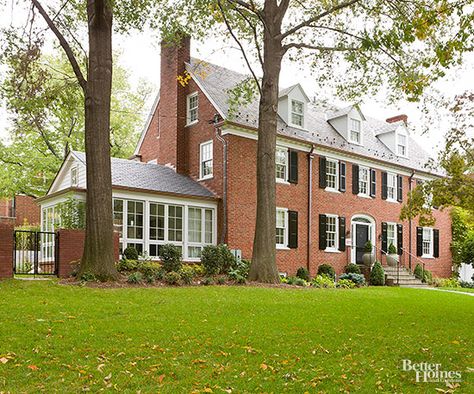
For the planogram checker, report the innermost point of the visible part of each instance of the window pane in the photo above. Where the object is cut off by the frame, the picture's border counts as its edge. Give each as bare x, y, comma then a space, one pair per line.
206, 159
194, 252
364, 180
175, 223
280, 227
208, 226
157, 222
135, 219
297, 112
194, 225
331, 232
281, 158
331, 174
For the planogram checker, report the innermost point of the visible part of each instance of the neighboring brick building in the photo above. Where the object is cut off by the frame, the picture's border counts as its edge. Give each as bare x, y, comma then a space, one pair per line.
342, 178
20, 210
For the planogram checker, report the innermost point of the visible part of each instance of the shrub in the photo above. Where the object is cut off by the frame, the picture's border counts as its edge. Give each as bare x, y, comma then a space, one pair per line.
228, 260
221, 280
345, 284
392, 249
170, 256
326, 269
427, 276
197, 268
377, 275
302, 273
150, 269
323, 281
125, 265
466, 285
187, 274
357, 279
418, 271
217, 259
368, 247
88, 277
135, 277
446, 282
240, 271
172, 278
130, 253
207, 281
352, 269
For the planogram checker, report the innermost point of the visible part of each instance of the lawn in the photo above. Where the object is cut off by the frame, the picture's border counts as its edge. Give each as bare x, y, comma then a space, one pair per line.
461, 289
228, 339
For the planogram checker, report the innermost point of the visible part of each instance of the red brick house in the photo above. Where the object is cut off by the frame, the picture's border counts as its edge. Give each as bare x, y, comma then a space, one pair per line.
19, 210
342, 177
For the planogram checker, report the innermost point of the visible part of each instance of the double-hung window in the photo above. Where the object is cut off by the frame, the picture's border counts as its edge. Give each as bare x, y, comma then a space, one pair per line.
199, 230
332, 238
364, 181
281, 228
297, 113
74, 177
391, 187
402, 145
332, 174
206, 160
355, 130
427, 244
192, 106
281, 164
391, 234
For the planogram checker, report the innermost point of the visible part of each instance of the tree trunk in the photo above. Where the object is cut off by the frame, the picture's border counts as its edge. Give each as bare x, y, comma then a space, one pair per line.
263, 267
98, 256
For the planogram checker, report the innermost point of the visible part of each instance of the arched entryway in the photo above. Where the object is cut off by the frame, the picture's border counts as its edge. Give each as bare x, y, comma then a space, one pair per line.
362, 230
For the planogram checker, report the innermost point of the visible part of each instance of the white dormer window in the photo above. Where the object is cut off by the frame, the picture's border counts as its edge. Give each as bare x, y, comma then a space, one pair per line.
192, 105
355, 130
74, 177
402, 145
297, 113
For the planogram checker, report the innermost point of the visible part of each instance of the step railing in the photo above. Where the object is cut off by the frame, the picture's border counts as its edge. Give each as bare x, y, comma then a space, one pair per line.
417, 259
383, 252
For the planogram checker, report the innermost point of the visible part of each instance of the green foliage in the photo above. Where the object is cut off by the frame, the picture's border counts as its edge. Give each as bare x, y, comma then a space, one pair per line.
240, 272
207, 281
125, 265
187, 274
368, 247
296, 281
352, 269
377, 275
345, 284
328, 270
171, 258
88, 277
150, 269
135, 278
220, 280
466, 285
197, 268
323, 281
130, 253
446, 282
172, 278
392, 249
427, 276
418, 271
217, 259
358, 279
303, 273
72, 213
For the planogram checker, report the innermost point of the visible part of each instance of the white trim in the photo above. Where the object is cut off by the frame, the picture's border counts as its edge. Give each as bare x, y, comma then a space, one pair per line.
287, 158
190, 122
367, 194
372, 232
431, 254
284, 245
201, 145
336, 187
397, 136
395, 237
147, 124
395, 192
335, 248
349, 131
291, 112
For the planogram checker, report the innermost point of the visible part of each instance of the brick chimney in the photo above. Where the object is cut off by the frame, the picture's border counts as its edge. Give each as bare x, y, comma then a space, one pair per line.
394, 119
172, 107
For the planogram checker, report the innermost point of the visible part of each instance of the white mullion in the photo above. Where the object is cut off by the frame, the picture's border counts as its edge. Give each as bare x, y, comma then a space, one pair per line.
185, 231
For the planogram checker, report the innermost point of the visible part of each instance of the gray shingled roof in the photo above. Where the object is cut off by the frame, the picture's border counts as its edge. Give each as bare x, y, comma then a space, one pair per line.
153, 177
217, 81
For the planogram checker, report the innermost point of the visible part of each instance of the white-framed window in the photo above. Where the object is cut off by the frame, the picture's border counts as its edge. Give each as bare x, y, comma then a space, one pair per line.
281, 228
281, 164
206, 160
332, 174
332, 233
402, 144
391, 235
157, 222
355, 127
199, 230
175, 223
427, 245
391, 187
118, 216
74, 177
135, 219
297, 113
364, 181
192, 106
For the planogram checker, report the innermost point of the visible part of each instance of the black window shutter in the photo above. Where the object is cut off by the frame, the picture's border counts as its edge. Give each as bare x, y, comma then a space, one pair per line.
342, 176
384, 237
400, 188
355, 179
322, 172
293, 167
435, 243
342, 233
292, 229
322, 232
384, 185
399, 239
419, 241
373, 182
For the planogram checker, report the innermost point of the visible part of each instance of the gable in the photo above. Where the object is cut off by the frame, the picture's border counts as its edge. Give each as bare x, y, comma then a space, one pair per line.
63, 177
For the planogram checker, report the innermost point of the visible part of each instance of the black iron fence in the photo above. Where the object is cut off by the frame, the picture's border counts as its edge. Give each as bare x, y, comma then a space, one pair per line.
35, 253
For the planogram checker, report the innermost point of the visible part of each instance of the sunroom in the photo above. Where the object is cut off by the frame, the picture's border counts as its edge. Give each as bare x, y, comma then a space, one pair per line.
152, 206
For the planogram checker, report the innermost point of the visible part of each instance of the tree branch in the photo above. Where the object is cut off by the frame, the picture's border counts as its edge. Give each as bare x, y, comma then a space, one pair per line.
64, 44
318, 17
319, 47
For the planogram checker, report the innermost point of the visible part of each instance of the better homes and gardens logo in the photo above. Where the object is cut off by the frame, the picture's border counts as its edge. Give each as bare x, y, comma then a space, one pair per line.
431, 372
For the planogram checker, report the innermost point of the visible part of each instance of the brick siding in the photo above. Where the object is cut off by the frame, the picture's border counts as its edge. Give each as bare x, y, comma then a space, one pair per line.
6, 250
26, 211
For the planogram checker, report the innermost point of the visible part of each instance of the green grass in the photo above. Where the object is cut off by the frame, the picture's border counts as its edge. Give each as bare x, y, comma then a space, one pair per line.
178, 340
462, 289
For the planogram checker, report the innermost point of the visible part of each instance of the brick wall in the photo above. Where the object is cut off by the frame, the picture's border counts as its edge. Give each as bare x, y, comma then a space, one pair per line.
71, 245
6, 250
26, 211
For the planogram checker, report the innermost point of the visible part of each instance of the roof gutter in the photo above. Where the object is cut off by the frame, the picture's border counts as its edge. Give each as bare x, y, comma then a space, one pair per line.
217, 122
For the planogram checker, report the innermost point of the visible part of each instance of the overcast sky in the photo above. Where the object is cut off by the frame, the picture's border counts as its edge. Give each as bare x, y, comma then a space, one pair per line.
140, 54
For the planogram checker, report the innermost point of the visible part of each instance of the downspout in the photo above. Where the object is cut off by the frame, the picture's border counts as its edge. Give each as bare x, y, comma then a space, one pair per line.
217, 121
310, 204
410, 180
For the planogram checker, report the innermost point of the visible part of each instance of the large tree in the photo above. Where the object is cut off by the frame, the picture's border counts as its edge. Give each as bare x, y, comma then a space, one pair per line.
357, 45
69, 22
48, 120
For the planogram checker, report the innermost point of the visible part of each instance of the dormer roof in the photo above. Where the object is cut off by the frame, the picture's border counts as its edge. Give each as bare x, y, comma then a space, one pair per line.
344, 112
287, 91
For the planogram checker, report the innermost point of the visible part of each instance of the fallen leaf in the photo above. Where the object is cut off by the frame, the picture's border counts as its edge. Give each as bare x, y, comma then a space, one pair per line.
4, 360
100, 366
108, 377
160, 378
33, 367
264, 366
